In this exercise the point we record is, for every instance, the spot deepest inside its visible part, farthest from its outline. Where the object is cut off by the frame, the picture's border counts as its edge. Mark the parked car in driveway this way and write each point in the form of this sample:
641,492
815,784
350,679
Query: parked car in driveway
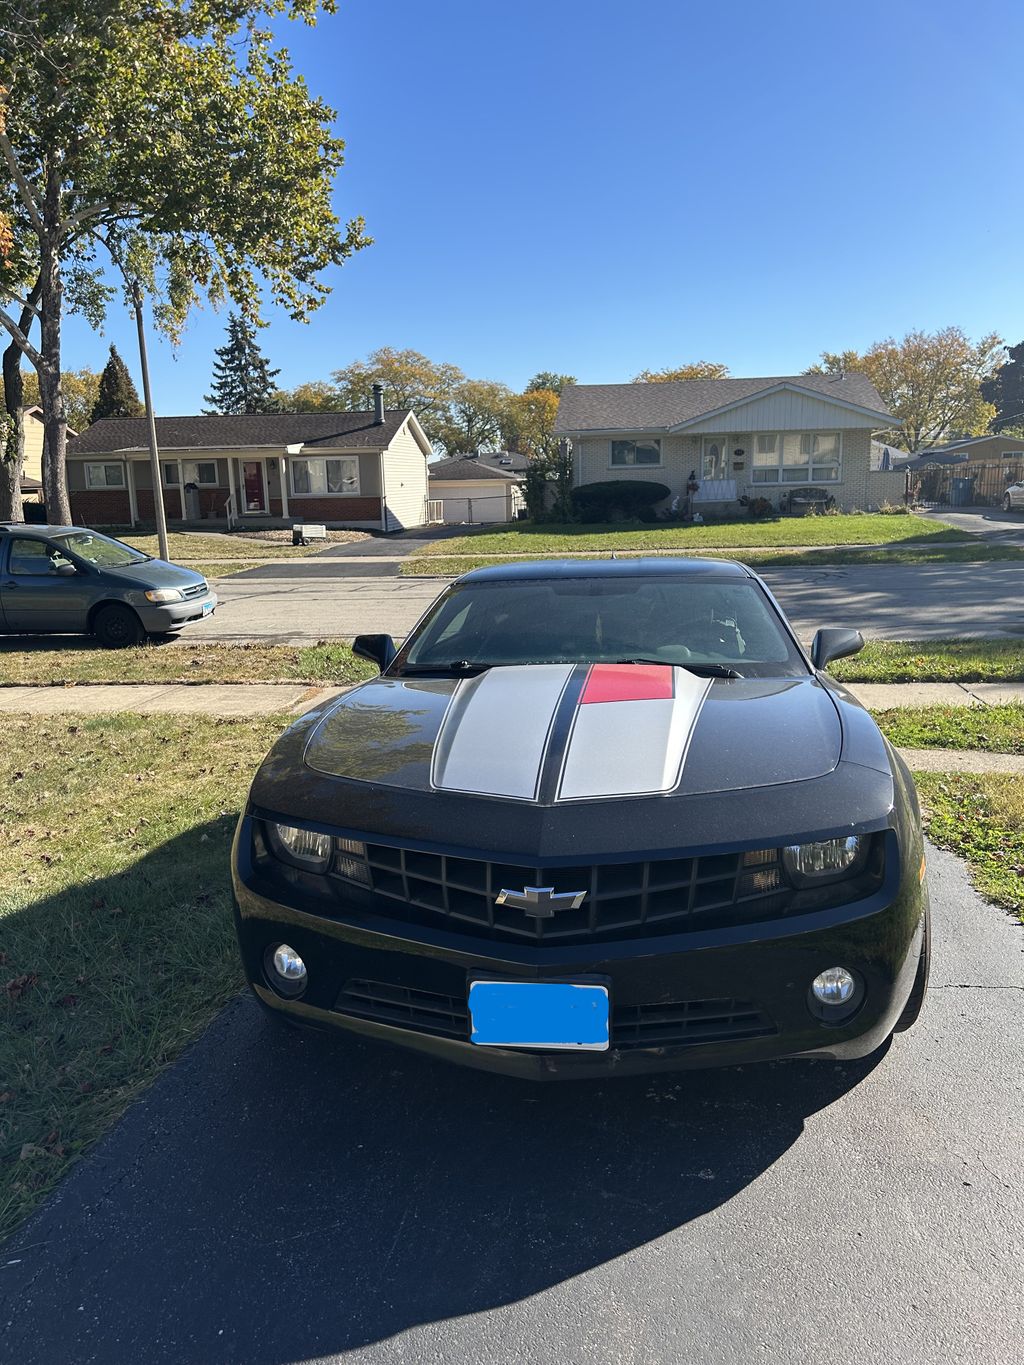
70,580
1013,498
591,818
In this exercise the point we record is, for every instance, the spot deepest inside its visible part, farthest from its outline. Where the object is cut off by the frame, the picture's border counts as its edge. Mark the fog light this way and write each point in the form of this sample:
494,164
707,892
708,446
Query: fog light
834,986
286,971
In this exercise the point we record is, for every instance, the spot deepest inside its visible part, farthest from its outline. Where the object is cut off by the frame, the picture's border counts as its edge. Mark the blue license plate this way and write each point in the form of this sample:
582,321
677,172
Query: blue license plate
541,1014
207,609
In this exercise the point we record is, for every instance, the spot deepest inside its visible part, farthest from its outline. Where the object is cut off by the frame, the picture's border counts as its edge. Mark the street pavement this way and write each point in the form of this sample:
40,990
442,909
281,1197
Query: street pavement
293,603
278,1198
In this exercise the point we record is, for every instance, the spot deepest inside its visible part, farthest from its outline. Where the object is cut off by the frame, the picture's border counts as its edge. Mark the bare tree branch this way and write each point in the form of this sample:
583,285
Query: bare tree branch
24,188
19,336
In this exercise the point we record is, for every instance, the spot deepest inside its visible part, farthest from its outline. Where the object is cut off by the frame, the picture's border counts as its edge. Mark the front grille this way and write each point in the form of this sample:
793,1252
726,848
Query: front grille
673,1023
623,899
197,590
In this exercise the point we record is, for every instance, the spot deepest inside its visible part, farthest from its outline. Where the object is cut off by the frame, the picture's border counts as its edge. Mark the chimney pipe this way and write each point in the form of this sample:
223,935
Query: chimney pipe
378,405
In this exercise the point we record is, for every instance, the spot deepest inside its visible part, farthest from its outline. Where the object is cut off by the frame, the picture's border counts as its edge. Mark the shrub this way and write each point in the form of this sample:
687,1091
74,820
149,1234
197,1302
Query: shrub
894,509
618,500
760,507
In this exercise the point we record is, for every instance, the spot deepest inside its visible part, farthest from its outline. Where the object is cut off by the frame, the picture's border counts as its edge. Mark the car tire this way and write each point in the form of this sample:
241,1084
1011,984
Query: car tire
915,1002
1007,504
117,627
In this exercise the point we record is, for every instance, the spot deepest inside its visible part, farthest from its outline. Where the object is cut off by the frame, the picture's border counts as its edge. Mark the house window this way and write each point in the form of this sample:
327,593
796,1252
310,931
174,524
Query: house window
104,476
627,453
1013,454
797,457
201,472
326,476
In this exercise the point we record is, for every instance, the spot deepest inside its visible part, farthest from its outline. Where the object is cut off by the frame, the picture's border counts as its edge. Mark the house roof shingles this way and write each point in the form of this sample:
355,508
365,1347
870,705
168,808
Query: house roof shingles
638,407
352,430
463,468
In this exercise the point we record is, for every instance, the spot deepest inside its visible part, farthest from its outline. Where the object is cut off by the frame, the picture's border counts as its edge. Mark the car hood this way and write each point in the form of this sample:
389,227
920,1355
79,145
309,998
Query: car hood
551,735
153,573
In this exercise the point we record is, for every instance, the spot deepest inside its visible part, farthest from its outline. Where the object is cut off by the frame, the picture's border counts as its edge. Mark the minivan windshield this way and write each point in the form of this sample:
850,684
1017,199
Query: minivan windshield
99,550
723,626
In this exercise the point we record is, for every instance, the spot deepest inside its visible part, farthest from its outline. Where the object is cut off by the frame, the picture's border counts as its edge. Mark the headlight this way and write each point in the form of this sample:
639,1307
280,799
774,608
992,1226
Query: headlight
302,847
165,595
827,861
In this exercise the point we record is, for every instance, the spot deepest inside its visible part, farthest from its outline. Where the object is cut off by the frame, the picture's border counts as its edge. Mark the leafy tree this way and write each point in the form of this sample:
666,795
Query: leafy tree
242,378
700,369
81,389
1005,389
475,416
174,136
317,395
529,422
932,382
117,396
550,382
410,380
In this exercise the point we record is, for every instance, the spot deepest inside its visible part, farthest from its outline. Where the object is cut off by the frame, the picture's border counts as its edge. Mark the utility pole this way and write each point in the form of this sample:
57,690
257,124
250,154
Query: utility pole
154,453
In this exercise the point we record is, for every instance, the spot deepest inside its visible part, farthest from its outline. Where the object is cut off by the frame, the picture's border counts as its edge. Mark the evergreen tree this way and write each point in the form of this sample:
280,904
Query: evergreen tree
117,396
242,378
1006,389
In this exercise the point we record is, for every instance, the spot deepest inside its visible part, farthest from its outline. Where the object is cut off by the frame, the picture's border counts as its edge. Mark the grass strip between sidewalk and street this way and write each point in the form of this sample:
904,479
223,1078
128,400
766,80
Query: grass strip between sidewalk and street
980,818
919,661
116,940
32,663
995,729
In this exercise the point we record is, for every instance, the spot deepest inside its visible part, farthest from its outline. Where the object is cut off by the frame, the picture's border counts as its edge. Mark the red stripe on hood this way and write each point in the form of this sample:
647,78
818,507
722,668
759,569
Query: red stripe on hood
628,682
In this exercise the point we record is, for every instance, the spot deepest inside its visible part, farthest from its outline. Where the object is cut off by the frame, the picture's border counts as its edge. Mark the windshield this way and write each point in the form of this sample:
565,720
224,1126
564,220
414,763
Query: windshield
723,625
102,550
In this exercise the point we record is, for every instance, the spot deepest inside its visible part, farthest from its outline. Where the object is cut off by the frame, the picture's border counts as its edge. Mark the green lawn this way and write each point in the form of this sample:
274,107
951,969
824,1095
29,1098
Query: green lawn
115,920
441,565
188,546
78,660
993,729
869,529
980,817
895,661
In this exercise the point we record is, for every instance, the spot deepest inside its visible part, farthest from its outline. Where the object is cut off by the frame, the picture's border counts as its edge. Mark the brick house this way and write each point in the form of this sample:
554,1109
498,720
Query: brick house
346,469
741,438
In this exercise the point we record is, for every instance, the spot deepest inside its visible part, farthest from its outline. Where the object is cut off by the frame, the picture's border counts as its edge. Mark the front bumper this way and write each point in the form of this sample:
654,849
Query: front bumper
714,997
174,615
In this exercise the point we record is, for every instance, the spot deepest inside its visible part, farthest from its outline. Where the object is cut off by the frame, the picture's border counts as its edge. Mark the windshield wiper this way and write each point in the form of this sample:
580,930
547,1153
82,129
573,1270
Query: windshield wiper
701,670
456,666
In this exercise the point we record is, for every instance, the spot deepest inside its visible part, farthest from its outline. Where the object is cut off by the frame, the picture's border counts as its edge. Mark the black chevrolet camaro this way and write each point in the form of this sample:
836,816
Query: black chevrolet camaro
591,818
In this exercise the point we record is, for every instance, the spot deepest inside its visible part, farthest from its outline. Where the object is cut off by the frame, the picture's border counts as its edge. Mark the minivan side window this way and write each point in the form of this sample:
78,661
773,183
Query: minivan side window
30,557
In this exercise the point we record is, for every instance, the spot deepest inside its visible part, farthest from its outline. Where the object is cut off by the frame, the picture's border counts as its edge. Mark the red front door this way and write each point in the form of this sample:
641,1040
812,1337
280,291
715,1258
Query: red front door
252,482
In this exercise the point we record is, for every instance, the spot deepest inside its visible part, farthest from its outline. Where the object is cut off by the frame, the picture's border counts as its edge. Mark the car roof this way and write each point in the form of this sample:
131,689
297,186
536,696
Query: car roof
663,567
36,530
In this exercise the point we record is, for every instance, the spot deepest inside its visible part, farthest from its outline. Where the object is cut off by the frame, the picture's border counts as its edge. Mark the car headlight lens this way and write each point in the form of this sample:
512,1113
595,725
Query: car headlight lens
827,861
303,847
165,595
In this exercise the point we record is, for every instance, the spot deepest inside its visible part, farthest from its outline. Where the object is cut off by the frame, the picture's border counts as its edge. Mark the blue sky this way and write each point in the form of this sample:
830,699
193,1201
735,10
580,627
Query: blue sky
595,186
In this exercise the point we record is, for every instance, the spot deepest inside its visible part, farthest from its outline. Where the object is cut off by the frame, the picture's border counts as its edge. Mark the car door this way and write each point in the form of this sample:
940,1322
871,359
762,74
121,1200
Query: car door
37,591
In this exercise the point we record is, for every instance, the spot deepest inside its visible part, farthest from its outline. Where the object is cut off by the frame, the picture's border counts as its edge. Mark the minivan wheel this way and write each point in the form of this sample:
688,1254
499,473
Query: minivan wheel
116,627
1007,505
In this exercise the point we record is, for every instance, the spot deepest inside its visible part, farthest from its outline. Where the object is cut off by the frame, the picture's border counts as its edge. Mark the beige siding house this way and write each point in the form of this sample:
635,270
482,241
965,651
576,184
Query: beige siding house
345,469
738,438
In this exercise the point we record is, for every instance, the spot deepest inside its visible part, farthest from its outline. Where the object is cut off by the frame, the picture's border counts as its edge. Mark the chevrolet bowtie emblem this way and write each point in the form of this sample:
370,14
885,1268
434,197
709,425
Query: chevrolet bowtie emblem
541,902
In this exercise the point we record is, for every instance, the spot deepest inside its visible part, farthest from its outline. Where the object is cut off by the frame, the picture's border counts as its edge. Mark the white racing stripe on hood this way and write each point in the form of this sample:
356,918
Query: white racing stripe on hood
495,732
632,748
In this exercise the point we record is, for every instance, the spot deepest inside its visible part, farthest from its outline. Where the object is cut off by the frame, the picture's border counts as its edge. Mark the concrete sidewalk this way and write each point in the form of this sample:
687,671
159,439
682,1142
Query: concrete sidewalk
207,699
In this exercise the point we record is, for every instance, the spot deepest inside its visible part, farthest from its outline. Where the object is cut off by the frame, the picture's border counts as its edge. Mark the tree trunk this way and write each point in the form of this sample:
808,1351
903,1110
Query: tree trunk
12,454
51,389
12,449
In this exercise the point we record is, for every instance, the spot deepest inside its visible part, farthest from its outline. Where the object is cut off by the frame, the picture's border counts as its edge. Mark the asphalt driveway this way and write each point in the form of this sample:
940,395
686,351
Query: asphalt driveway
279,1198
300,603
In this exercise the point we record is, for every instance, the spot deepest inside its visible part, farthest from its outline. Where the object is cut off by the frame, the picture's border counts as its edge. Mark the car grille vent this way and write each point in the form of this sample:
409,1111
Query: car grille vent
195,590
673,1023
623,899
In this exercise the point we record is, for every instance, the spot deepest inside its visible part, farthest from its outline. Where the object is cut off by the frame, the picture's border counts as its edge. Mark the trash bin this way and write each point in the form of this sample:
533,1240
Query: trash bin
192,512
961,492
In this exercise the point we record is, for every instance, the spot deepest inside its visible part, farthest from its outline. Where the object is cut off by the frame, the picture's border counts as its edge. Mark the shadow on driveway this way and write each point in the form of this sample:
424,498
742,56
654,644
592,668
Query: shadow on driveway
281,1196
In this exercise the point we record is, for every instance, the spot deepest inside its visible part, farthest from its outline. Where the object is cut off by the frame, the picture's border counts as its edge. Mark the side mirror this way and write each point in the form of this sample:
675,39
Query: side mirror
66,570
379,649
834,643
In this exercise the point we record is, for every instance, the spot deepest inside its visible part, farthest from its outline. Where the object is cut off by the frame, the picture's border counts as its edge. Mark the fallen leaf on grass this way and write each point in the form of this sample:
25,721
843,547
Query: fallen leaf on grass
18,985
